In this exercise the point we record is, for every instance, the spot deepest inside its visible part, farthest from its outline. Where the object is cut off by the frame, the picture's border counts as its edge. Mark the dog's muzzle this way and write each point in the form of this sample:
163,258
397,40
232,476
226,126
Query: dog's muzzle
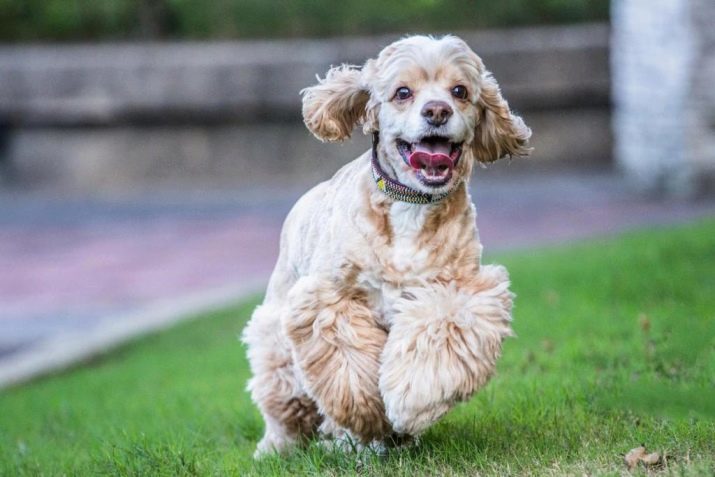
433,158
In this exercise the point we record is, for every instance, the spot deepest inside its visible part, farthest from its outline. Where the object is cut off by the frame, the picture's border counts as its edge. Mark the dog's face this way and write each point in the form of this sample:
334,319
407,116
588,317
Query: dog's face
426,94
434,105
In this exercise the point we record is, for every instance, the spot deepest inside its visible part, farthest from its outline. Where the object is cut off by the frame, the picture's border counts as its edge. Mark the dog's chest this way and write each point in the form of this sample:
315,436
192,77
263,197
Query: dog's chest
405,263
407,221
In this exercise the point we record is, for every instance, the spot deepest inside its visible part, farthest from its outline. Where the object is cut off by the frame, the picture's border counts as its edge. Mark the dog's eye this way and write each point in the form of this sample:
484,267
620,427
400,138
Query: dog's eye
403,92
460,92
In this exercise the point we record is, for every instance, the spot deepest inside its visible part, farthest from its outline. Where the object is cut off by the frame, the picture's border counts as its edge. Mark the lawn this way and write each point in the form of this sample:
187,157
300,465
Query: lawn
615,347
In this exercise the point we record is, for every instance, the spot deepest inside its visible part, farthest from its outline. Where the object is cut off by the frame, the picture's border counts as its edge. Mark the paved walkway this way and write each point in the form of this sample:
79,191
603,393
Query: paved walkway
76,276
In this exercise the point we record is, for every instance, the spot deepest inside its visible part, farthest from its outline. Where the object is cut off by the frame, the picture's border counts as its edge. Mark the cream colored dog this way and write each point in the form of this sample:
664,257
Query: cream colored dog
379,317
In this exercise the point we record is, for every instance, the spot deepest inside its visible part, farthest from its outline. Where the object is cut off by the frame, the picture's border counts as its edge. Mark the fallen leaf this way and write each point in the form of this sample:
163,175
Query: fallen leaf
644,322
634,456
639,454
651,459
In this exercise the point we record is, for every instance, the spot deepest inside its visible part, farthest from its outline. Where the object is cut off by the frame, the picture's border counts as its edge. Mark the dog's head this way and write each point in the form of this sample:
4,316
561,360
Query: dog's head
433,103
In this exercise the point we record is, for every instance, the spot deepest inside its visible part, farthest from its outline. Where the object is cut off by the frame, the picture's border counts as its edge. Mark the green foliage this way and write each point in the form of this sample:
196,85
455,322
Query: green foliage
615,347
22,20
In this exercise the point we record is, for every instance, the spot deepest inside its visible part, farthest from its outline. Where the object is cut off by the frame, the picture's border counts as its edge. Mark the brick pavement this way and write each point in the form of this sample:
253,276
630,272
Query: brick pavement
68,265
71,270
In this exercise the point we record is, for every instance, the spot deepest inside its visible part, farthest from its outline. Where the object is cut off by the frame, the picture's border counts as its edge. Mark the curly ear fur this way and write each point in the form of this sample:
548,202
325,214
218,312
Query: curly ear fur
333,107
499,132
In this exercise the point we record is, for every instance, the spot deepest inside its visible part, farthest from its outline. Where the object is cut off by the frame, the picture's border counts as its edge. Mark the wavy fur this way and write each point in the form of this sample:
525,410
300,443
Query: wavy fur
333,107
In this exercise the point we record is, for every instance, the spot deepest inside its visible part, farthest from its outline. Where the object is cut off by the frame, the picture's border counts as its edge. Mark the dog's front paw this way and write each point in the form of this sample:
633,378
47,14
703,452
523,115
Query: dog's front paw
274,443
416,392
443,346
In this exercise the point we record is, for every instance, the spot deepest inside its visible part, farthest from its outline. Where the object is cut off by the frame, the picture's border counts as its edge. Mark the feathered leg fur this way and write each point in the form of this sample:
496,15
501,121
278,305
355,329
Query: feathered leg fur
443,346
336,346
287,410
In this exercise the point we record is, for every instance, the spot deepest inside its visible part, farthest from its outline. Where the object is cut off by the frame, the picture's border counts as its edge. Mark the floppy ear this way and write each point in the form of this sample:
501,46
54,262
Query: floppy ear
499,132
333,107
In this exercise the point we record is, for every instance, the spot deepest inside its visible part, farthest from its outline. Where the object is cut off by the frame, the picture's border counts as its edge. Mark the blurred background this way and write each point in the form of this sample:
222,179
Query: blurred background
149,150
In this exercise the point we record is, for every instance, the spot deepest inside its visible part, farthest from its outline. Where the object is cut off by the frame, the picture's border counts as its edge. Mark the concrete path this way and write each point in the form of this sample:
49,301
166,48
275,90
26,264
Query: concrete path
77,276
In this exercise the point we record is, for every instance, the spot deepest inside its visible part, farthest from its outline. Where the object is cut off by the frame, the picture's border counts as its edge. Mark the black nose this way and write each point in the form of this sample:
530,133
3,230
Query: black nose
436,113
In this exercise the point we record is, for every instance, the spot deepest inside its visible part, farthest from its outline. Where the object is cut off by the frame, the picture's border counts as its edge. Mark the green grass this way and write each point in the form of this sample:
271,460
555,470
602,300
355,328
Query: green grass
616,347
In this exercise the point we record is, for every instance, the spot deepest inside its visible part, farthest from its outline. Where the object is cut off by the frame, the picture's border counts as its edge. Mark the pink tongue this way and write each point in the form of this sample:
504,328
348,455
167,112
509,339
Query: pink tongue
435,162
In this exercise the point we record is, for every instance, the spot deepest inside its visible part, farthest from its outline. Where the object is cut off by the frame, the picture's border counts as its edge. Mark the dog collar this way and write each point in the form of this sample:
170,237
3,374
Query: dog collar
397,190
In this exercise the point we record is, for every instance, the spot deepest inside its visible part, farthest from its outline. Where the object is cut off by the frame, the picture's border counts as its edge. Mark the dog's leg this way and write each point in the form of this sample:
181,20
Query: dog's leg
337,345
288,412
443,346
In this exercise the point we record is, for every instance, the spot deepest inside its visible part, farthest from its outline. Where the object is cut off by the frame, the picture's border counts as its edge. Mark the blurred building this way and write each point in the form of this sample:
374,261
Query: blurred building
117,118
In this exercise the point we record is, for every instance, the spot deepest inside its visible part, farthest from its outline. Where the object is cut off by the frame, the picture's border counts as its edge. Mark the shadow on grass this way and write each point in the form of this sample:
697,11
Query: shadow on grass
462,444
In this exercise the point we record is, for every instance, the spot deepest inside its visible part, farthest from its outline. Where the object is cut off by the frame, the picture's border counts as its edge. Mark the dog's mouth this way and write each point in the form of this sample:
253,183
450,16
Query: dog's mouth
433,158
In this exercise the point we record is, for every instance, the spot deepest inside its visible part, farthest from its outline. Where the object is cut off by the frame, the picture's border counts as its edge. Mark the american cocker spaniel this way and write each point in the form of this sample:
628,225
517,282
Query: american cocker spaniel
379,316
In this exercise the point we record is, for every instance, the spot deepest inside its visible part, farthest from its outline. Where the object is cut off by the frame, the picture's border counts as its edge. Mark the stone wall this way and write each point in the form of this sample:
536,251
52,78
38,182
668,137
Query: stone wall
116,117
663,63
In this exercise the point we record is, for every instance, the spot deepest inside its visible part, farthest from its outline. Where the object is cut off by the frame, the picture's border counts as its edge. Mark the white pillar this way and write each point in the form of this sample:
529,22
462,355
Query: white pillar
652,53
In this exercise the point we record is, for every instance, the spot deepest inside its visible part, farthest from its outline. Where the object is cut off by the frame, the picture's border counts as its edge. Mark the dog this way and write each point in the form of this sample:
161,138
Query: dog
379,316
